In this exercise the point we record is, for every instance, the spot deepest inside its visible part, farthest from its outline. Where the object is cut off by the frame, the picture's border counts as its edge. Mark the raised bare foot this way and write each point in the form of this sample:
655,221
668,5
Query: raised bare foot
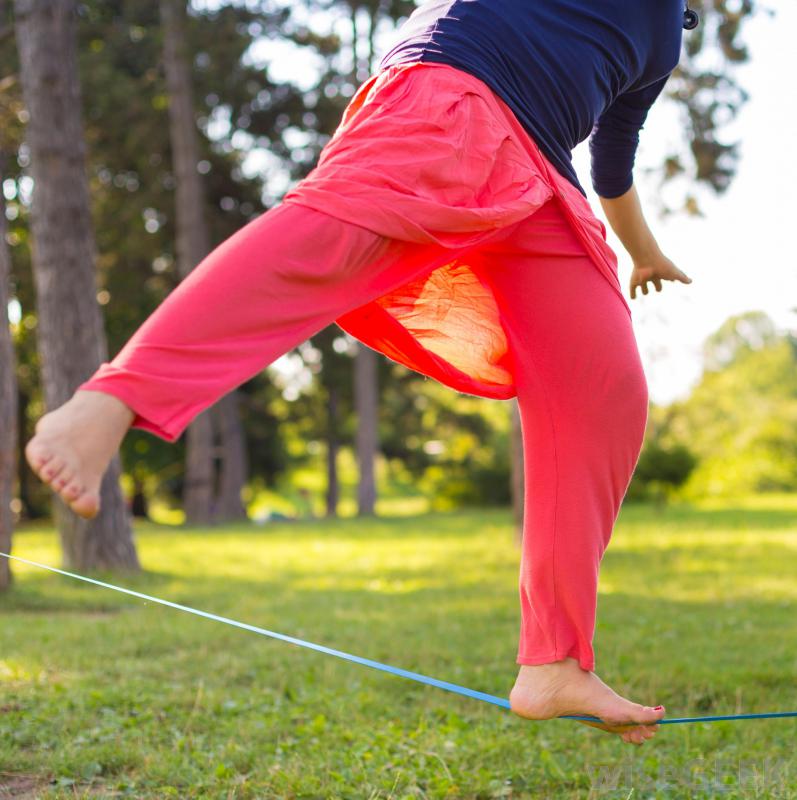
561,688
75,443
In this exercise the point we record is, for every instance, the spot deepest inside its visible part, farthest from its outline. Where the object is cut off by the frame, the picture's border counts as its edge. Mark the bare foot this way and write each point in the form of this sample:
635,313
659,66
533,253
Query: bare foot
561,688
75,443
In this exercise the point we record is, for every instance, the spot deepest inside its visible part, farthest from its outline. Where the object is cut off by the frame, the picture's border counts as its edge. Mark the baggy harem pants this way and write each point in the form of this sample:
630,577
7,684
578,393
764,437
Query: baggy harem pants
436,232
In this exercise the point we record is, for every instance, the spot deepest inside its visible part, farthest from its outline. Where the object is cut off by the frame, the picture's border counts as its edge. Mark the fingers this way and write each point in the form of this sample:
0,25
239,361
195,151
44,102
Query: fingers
643,284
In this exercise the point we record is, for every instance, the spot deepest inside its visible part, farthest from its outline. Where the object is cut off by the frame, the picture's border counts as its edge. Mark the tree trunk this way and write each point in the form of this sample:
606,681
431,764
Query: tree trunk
23,468
366,375
70,336
139,505
193,244
234,466
333,490
518,482
8,400
366,401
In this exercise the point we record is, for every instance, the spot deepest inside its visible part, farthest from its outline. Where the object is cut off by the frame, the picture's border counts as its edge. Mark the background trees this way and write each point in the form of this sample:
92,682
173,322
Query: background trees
70,337
331,428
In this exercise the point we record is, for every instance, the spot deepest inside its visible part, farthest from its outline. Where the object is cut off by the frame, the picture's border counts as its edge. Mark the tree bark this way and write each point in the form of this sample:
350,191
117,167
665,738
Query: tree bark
366,375
139,505
192,242
518,481
333,490
366,401
8,400
23,468
234,467
201,504
70,336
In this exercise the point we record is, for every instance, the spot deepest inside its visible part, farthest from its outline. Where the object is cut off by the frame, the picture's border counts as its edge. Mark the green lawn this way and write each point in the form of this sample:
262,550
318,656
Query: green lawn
104,695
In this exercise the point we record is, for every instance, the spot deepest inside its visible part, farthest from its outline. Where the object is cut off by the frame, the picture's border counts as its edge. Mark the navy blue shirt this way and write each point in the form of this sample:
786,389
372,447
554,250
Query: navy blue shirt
566,68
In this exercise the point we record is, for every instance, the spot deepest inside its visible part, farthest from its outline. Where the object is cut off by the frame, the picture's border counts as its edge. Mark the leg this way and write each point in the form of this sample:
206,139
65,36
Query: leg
283,277
583,401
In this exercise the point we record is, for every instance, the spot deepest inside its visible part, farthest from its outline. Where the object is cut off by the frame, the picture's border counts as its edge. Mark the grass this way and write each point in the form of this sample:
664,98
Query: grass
104,695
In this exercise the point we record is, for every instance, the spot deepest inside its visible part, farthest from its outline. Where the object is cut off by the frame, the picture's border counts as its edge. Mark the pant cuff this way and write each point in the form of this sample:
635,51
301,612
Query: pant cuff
140,422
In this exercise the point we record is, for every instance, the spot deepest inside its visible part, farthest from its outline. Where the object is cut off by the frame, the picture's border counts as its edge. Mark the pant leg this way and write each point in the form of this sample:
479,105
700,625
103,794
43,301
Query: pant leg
583,402
278,280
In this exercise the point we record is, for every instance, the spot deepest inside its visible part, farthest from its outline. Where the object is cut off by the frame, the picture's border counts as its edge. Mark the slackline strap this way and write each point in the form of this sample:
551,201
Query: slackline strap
415,676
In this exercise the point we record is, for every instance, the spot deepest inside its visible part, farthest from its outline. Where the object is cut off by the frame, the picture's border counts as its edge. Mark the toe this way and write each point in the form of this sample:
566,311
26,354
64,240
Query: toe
53,468
634,737
72,492
63,479
648,714
636,715
37,455
86,505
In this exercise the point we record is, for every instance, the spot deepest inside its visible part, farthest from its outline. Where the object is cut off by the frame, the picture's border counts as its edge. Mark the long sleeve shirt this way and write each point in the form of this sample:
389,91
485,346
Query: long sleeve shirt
568,69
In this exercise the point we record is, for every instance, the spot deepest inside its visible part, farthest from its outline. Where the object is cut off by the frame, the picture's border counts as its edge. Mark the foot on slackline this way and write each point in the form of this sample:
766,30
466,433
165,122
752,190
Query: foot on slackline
545,691
74,445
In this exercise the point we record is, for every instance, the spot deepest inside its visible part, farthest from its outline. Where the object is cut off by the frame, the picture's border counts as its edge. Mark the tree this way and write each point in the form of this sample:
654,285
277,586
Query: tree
661,469
70,339
202,502
366,375
134,203
740,420
709,98
739,334
8,399
366,402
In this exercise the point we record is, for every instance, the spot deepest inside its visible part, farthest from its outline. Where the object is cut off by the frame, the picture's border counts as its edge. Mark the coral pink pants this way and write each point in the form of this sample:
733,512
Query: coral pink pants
435,231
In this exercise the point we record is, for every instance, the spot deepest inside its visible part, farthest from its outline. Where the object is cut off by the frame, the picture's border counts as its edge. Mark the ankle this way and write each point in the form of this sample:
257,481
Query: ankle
110,404
559,665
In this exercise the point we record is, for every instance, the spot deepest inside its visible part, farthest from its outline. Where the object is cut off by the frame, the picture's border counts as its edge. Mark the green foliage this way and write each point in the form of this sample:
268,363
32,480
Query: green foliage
736,433
659,469
456,445
741,419
104,695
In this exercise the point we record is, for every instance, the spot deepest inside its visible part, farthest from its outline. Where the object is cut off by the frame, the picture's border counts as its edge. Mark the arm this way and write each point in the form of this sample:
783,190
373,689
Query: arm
613,145
628,222
615,138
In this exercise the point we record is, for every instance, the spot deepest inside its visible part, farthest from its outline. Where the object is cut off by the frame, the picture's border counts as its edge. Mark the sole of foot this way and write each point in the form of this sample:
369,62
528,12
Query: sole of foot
563,688
74,444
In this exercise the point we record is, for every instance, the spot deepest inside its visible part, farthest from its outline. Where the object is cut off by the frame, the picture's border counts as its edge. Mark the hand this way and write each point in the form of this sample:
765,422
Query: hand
656,269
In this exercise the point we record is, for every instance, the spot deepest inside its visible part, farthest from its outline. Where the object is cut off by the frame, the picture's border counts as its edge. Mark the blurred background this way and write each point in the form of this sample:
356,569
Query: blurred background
230,103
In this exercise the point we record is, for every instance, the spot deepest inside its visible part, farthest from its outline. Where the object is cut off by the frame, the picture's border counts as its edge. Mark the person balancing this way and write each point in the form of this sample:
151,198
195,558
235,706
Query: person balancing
444,227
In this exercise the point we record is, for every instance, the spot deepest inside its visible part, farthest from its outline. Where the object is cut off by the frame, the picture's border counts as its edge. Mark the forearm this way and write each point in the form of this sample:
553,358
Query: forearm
625,216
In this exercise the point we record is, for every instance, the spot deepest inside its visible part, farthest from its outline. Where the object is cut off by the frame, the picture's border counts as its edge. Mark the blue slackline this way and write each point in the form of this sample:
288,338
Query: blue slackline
415,676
